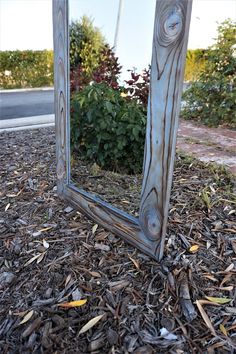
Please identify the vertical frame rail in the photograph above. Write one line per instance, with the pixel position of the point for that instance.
(170, 38)
(61, 91)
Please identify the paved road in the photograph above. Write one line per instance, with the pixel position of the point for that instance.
(26, 104)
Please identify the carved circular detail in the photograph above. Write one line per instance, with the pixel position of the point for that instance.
(151, 224)
(170, 25)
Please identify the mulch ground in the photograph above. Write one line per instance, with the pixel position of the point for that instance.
(51, 254)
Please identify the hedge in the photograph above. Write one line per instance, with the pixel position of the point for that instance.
(20, 69)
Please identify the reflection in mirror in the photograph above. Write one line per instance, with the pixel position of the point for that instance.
(110, 54)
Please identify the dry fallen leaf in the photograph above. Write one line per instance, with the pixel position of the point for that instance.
(68, 278)
(21, 313)
(230, 267)
(205, 317)
(45, 244)
(136, 263)
(94, 228)
(27, 317)
(7, 206)
(41, 257)
(90, 324)
(102, 247)
(32, 259)
(218, 300)
(45, 229)
(95, 274)
(193, 248)
(223, 330)
(73, 303)
(232, 212)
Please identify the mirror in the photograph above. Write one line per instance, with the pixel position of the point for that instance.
(100, 121)
(110, 58)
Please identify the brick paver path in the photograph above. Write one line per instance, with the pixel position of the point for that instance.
(208, 144)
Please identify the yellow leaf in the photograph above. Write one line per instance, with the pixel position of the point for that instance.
(27, 317)
(193, 248)
(94, 228)
(45, 229)
(218, 300)
(73, 303)
(223, 330)
(90, 324)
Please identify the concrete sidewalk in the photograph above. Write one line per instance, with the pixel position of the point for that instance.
(208, 144)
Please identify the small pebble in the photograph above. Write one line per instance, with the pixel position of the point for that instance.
(6, 278)
(17, 249)
(68, 209)
(48, 293)
(76, 294)
(36, 234)
(41, 248)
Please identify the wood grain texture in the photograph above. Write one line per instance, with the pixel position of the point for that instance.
(169, 48)
(111, 218)
(61, 94)
(168, 58)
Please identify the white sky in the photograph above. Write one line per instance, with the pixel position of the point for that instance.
(27, 24)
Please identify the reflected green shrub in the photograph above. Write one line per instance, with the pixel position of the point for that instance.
(108, 129)
(212, 99)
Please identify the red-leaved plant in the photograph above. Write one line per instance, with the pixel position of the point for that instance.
(108, 71)
(137, 87)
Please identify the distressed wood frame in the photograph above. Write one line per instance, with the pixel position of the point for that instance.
(171, 28)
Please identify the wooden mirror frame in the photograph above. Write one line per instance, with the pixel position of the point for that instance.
(171, 28)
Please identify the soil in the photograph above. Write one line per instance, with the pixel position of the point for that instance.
(50, 254)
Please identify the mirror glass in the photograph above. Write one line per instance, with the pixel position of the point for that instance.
(110, 55)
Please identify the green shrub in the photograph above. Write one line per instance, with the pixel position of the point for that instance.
(20, 69)
(212, 99)
(107, 129)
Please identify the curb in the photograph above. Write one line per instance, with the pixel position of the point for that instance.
(22, 123)
(26, 127)
(27, 89)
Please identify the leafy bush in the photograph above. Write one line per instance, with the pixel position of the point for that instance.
(107, 129)
(19, 69)
(212, 99)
